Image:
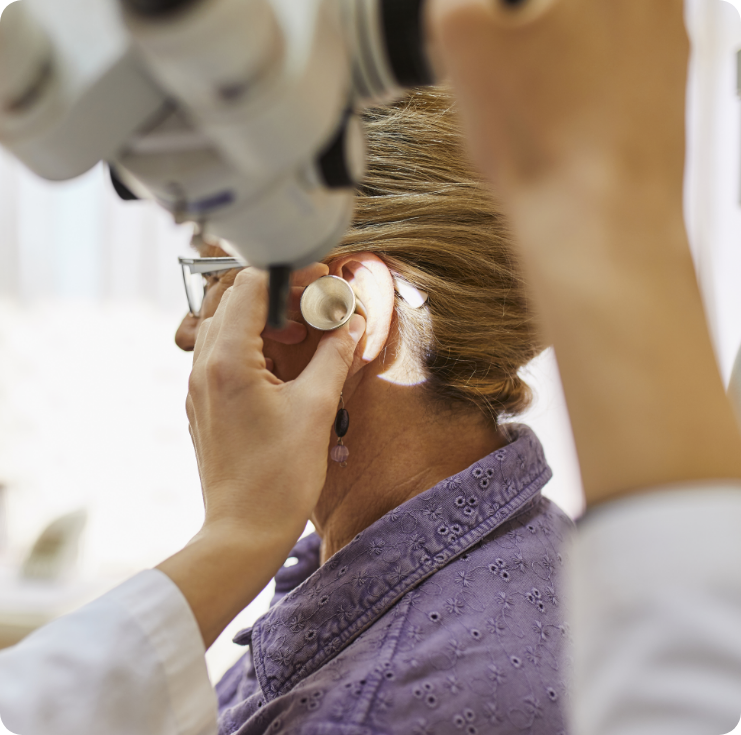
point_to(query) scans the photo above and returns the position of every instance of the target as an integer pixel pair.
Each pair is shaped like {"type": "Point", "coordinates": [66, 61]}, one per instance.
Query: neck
{"type": "Point", "coordinates": [399, 447]}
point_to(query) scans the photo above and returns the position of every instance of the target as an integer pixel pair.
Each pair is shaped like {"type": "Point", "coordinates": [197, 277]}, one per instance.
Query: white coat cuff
{"type": "Point", "coordinates": [656, 604]}
{"type": "Point", "coordinates": [150, 598]}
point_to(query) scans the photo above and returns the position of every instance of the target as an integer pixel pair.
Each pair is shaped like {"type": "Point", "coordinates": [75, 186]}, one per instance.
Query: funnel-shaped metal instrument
{"type": "Point", "coordinates": [328, 303]}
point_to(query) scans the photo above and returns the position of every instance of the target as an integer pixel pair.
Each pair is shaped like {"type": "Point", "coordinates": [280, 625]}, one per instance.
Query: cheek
{"type": "Point", "coordinates": [290, 360]}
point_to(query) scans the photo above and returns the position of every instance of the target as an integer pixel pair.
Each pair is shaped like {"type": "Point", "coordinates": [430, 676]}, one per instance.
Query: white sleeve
{"type": "Point", "coordinates": [656, 610]}
{"type": "Point", "coordinates": [129, 663]}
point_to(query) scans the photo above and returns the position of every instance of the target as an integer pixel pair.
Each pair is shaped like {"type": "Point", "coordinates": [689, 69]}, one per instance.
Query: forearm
{"type": "Point", "coordinates": [617, 295]}
{"type": "Point", "coordinates": [223, 569]}
{"type": "Point", "coordinates": [245, 422]}
{"type": "Point", "coordinates": [575, 113]}
{"type": "Point", "coordinates": [129, 662]}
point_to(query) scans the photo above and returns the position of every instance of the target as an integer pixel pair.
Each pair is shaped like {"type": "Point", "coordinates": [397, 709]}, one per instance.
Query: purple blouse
{"type": "Point", "coordinates": [444, 616]}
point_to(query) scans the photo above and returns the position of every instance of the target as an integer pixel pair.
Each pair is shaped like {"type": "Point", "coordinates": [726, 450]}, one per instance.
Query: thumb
{"type": "Point", "coordinates": [324, 376]}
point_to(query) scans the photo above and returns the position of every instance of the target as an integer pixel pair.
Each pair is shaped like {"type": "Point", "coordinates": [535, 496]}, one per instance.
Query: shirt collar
{"type": "Point", "coordinates": [362, 581]}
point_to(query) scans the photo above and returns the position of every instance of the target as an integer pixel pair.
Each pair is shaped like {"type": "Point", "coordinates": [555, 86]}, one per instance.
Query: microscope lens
{"type": "Point", "coordinates": [404, 37]}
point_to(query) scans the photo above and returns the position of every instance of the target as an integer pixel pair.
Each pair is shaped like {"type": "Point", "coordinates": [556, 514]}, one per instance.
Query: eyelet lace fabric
{"type": "Point", "coordinates": [444, 616]}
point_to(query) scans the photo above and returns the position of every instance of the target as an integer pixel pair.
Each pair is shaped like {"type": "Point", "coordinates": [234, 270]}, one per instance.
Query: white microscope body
{"type": "Point", "coordinates": [239, 115]}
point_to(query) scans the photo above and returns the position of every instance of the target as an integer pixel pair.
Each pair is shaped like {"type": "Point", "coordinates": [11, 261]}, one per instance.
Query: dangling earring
{"type": "Point", "coordinates": [340, 452]}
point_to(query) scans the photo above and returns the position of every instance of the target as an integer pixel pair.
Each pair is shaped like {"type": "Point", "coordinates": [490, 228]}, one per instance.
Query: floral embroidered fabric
{"type": "Point", "coordinates": [444, 616]}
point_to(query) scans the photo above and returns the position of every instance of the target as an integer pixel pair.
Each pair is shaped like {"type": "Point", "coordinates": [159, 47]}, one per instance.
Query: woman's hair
{"type": "Point", "coordinates": [429, 217]}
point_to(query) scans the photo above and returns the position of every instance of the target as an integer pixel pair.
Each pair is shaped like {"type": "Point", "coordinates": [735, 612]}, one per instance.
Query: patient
{"type": "Point", "coordinates": [428, 601]}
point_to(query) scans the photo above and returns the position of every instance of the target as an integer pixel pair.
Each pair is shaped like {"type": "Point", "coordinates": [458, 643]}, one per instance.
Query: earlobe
{"type": "Point", "coordinates": [373, 284]}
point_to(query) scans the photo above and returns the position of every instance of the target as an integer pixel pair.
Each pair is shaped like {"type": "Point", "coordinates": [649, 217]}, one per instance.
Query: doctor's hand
{"type": "Point", "coordinates": [561, 92]}
{"type": "Point", "coordinates": [262, 446]}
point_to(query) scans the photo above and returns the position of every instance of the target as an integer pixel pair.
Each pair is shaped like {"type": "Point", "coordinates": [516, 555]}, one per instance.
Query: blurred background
{"type": "Point", "coordinates": [92, 386]}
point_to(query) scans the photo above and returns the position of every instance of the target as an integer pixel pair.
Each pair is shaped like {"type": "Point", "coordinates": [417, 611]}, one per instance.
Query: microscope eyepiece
{"type": "Point", "coordinates": [342, 163]}
{"type": "Point", "coordinates": [123, 191]}
{"type": "Point", "coordinates": [388, 46]}
{"type": "Point", "coordinates": [403, 32]}
{"type": "Point", "coordinates": [242, 115]}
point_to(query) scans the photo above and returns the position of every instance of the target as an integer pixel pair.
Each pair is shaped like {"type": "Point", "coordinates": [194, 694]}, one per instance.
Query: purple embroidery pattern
{"type": "Point", "coordinates": [444, 616]}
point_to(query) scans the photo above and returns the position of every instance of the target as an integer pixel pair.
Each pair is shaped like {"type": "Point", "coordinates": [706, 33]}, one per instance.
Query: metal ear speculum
{"type": "Point", "coordinates": [328, 303]}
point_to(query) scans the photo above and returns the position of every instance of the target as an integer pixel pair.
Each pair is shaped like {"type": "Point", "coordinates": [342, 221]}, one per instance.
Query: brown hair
{"type": "Point", "coordinates": [429, 217]}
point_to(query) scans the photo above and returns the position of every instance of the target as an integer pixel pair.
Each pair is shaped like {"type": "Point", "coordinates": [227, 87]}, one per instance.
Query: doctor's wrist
{"type": "Point", "coordinates": [224, 567]}
{"type": "Point", "coordinates": [242, 529]}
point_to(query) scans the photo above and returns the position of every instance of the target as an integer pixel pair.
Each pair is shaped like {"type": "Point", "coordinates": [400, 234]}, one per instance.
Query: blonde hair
{"type": "Point", "coordinates": [429, 217]}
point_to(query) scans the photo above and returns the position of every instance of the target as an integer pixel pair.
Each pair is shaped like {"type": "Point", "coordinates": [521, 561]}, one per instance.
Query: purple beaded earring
{"type": "Point", "coordinates": [340, 452]}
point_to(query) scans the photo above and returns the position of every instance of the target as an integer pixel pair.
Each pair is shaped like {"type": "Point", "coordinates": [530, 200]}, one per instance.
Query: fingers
{"type": "Point", "coordinates": [241, 319]}
{"type": "Point", "coordinates": [309, 274]}
{"type": "Point", "coordinates": [295, 331]}
{"type": "Point", "coordinates": [228, 352]}
{"type": "Point", "coordinates": [325, 375]}
{"type": "Point", "coordinates": [209, 331]}
{"type": "Point", "coordinates": [201, 338]}
{"type": "Point", "coordinates": [292, 334]}
{"type": "Point", "coordinates": [236, 325]}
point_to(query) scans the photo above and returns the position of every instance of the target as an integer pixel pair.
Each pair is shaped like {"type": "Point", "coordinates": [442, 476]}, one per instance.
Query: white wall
{"type": "Point", "coordinates": [77, 241]}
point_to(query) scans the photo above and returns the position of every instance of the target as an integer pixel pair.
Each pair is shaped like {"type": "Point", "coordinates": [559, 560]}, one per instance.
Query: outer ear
{"type": "Point", "coordinates": [373, 284]}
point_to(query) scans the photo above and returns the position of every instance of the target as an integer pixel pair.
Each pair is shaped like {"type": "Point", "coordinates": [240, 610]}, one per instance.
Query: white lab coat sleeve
{"type": "Point", "coordinates": [129, 663]}
{"type": "Point", "coordinates": [656, 614]}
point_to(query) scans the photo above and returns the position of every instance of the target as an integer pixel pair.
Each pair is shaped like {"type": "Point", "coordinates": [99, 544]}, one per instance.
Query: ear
{"type": "Point", "coordinates": [373, 284]}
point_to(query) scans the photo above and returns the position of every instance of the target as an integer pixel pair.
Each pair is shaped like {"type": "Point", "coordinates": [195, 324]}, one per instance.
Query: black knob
{"type": "Point", "coordinates": [342, 163]}
{"type": "Point", "coordinates": [122, 190]}
{"type": "Point", "coordinates": [405, 43]}
{"type": "Point", "coordinates": [280, 287]}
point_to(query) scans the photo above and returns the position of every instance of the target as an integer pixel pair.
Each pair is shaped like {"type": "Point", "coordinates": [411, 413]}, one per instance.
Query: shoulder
{"type": "Point", "coordinates": [484, 638]}
{"type": "Point", "coordinates": [478, 645]}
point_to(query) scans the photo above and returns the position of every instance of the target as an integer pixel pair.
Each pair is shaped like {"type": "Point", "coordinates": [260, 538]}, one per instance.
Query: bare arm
{"type": "Point", "coordinates": [576, 116]}
{"type": "Point", "coordinates": [262, 453]}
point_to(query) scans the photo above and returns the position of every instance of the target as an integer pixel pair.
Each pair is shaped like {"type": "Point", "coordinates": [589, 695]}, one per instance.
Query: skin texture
{"type": "Point", "coordinates": [399, 446]}
{"type": "Point", "coordinates": [245, 422]}
{"type": "Point", "coordinates": [575, 113]}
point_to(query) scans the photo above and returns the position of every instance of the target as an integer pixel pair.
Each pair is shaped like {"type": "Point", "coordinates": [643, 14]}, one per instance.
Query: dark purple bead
{"type": "Point", "coordinates": [342, 423]}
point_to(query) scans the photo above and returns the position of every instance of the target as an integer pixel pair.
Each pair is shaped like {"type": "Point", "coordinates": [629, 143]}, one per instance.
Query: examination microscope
{"type": "Point", "coordinates": [241, 116]}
